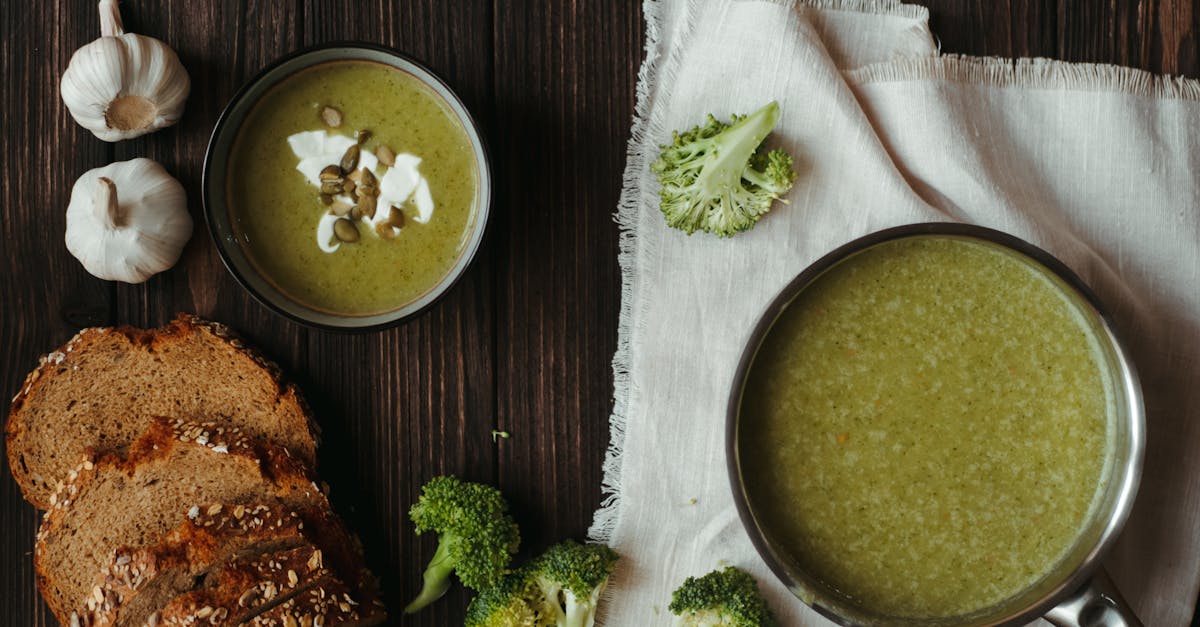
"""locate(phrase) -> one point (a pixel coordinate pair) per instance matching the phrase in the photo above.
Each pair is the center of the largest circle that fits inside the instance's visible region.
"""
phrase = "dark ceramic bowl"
(1076, 592)
(217, 210)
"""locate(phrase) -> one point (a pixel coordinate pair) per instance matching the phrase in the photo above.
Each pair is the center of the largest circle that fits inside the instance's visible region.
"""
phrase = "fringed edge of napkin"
(876, 7)
(604, 521)
(1036, 73)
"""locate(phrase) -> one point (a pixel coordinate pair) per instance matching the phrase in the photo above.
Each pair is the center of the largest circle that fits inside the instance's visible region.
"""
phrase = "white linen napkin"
(1096, 164)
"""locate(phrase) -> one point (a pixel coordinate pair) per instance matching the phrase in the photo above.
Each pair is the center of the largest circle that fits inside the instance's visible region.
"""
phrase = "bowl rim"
(1128, 476)
(470, 123)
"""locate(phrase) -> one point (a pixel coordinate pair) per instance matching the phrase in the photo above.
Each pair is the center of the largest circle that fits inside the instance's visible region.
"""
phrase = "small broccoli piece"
(716, 178)
(722, 598)
(476, 536)
(560, 588)
(571, 577)
(514, 602)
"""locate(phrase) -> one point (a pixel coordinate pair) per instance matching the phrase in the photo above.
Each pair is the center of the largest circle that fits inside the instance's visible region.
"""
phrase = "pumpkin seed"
(348, 187)
(368, 179)
(386, 156)
(366, 206)
(395, 217)
(326, 199)
(345, 230)
(355, 176)
(350, 160)
(331, 173)
(332, 117)
(340, 208)
(331, 187)
(384, 230)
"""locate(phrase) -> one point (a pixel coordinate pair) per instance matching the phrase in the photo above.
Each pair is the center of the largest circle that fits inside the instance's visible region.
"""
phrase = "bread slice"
(111, 501)
(240, 590)
(137, 581)
(329, 604)
(100, 390)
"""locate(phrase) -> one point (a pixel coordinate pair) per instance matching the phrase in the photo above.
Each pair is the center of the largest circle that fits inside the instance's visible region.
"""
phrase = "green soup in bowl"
(934, 426)
(347, 187)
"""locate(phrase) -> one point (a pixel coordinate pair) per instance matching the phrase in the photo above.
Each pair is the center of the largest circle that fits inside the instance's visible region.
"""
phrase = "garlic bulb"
(127, 220)
(124, 85)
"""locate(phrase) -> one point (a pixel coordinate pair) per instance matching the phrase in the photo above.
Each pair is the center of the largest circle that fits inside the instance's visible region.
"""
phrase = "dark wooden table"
(524, 342)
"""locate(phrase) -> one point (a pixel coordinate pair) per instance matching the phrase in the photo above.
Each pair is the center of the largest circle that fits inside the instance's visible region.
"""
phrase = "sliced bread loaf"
(241, 589)
(111, 501)
(100, 390)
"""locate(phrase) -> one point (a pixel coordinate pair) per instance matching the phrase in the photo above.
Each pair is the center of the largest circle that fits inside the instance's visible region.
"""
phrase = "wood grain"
(524, 343)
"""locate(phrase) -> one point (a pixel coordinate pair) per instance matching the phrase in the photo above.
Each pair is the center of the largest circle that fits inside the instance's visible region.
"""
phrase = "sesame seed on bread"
(137, 581)
(99, 391)
(110, 501)
(243, 588)
(330, 604)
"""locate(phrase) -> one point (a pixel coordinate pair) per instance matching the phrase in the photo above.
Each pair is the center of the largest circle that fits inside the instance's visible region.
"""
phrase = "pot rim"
(1128, 474)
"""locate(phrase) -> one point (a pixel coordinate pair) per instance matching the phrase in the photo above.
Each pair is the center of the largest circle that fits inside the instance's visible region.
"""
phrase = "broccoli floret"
(722, 598)
(476, 536)
(571, 577)
(560, 588)
(716, 178)
(514, 602)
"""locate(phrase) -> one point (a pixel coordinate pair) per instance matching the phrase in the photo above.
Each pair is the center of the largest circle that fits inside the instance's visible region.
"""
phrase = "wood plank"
(565, 76)
(45, 293)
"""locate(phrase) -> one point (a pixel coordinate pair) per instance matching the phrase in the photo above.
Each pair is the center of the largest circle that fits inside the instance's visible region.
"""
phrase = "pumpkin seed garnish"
(340, 208)
(348, 187)
(384, 230)
(350, 160)
(386, 156)
(366, 206)
(368, 179)
(395, 217)
(345, 230)
(331, 187)
(331, 117)
(331, 173)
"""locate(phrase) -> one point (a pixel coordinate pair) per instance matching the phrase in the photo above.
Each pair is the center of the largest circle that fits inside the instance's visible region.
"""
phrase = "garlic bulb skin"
(124, 85)
(127, 220)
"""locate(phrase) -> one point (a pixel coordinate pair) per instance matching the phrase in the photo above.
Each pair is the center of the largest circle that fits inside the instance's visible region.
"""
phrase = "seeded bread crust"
(330, 604)
(109, 501)
(245, 587)
(67, 404)
(139, 580)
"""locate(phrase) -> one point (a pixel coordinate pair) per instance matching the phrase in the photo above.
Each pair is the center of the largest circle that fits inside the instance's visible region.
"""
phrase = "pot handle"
(1097, 604)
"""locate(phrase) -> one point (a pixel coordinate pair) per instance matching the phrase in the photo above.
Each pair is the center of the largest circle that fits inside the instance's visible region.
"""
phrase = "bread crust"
(245, 587)
(164, 436)
(211, 535)
(36, 486)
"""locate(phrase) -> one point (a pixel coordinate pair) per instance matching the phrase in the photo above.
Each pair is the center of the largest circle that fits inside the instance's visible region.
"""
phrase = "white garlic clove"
(127, 221)
(124, 85)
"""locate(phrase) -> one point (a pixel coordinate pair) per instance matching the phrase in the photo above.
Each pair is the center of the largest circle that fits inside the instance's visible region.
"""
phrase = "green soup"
(275, 210)
(926, 427)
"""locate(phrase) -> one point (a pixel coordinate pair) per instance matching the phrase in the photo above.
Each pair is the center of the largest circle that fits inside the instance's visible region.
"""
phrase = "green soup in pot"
(925, 428)
(275, 211)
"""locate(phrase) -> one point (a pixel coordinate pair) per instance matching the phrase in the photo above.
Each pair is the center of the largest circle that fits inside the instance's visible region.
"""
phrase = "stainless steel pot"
(1077, 592)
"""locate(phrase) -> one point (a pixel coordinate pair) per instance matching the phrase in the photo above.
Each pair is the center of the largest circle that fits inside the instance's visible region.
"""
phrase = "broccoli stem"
(727, 166)
(579, 614)
(436, 577)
